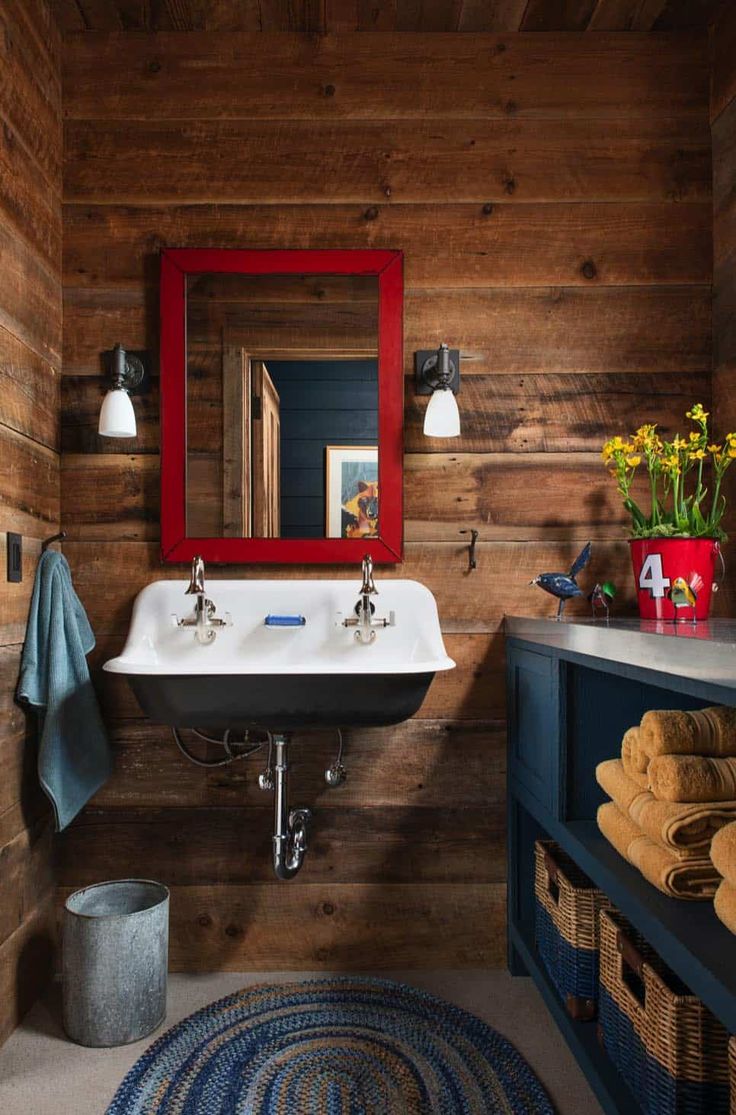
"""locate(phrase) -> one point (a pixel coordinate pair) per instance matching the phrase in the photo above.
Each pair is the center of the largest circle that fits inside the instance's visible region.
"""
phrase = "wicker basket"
(566, 927)
(669, 1047)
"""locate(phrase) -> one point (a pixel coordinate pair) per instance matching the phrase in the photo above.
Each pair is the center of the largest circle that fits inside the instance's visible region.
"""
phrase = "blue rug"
(342, 1046)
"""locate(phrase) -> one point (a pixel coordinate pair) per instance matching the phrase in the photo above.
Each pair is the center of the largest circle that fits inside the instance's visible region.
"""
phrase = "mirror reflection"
(282, 406)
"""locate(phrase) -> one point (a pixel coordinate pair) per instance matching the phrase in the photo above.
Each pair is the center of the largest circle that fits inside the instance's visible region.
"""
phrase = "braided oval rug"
(338, 1046)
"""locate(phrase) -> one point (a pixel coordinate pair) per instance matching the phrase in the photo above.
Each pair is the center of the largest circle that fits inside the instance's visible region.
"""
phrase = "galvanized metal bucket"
(115, 961)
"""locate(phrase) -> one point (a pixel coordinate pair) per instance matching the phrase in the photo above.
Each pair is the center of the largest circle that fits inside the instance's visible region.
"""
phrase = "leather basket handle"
(629, 953)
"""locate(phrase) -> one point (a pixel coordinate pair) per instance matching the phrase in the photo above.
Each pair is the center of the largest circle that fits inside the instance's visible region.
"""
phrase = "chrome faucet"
(204, 621)
(364, 619)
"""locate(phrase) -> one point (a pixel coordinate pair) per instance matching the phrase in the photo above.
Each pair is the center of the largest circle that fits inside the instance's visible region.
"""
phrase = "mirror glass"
(282, 406)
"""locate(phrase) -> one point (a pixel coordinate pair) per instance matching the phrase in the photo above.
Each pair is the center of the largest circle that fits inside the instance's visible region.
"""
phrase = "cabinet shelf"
(687, 935)
(611, 1090)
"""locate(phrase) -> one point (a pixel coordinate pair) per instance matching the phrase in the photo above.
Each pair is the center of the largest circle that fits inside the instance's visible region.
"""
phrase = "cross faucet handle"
(368, 587)
(196, 582)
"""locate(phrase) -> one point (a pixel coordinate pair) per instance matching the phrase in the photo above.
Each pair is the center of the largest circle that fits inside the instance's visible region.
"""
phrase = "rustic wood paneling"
(512, 414)
(29, 392)
(551, 195)
(502, 331)
(30, 354)
(723, 67)
(342, 927)
(323, 16)
(215, 161)
(232, 846)
(26, 964)
(447, 246)
(384, 77)
(420, 763)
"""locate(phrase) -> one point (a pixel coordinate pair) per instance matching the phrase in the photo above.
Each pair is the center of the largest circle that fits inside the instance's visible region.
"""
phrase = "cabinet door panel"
(534, 725)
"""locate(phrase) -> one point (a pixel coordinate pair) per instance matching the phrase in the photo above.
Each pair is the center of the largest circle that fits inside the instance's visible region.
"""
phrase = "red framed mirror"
(281, 405)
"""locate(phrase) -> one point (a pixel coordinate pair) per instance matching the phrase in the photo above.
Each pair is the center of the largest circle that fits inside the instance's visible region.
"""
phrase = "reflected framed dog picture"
(351, 495)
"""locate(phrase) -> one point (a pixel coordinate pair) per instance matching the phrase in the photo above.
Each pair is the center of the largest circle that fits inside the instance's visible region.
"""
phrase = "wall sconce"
(438, 374)
(117, 417)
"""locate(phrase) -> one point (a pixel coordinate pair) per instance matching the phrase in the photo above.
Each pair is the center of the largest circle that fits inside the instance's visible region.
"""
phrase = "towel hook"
(54, 538)
(472, 561)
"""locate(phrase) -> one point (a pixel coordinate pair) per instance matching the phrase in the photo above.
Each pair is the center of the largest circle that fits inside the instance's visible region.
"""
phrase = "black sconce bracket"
(126, 369)
(425, 371)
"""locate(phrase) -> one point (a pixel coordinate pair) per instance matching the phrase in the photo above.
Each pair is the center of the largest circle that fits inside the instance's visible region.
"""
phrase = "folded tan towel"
(630, 758)
(687, 829)
(708, 731)
(723, 853)
(688, 878)
(725, 905)
(692, 778)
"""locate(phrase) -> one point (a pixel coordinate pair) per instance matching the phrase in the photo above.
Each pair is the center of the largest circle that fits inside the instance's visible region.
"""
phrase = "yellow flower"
(672, 464)
(646, 437)
(695, 436)
(633, 462)
(696, 454)
(715, 449)
(732, 451)
(697, 413)
(614, 445)
(678, 443)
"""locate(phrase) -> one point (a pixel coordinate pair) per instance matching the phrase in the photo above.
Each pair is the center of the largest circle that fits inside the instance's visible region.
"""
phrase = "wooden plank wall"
(30, 358)
(553, 197)
(723, 124)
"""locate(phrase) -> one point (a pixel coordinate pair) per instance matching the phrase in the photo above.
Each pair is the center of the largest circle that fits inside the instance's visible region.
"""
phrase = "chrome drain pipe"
(291, 827)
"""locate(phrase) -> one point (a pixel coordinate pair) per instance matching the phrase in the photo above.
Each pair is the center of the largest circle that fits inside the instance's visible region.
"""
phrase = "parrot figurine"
(564, 585)
(601, 597)
(684, 594)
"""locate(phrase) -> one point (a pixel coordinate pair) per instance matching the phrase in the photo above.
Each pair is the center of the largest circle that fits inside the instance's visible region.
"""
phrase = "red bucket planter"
(659, 561)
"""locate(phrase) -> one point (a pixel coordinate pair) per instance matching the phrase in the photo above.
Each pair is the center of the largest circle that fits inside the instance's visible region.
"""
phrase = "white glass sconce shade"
(117, 417)
(442, 417)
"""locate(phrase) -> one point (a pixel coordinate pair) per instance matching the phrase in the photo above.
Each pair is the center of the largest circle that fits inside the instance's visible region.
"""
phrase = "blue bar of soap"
(285, 621)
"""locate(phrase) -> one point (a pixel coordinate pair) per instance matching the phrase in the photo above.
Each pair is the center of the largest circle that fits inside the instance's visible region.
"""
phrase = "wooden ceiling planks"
(323, 16)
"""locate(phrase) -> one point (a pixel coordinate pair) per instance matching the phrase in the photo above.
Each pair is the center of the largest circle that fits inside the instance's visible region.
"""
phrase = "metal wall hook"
(472, 560)
(54, 538)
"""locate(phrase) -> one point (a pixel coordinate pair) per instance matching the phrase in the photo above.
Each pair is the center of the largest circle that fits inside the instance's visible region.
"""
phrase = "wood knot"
(204, 920)
(511, 107)
(589, 269)
(500, 48)
(371, 214)
(233, 930)
(329, 90)
(8, 135)
(509, 185)
(328, 909)
(487, 209)
(154, 67)
(387, 190)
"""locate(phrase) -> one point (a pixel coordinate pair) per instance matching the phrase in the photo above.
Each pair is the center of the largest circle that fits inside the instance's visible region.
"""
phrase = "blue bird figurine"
(564, 585)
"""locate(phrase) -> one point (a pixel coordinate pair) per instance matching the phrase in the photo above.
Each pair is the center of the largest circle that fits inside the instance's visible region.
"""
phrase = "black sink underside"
(280, 702)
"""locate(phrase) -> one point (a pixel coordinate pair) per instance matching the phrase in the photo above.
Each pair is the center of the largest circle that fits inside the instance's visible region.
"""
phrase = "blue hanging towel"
(74, 755)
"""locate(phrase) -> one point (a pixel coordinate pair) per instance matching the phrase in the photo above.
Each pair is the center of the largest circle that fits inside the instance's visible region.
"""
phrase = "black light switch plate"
(15, 557)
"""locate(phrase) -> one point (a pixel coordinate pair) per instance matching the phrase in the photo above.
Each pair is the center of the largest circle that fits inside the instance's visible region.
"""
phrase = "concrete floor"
(41, 1073)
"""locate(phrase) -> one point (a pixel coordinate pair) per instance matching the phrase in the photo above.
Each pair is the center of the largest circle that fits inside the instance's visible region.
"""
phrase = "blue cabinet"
(567, 711)
(535, 724)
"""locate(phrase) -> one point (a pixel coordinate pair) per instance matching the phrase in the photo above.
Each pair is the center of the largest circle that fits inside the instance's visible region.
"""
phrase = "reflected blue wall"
(322, 403)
